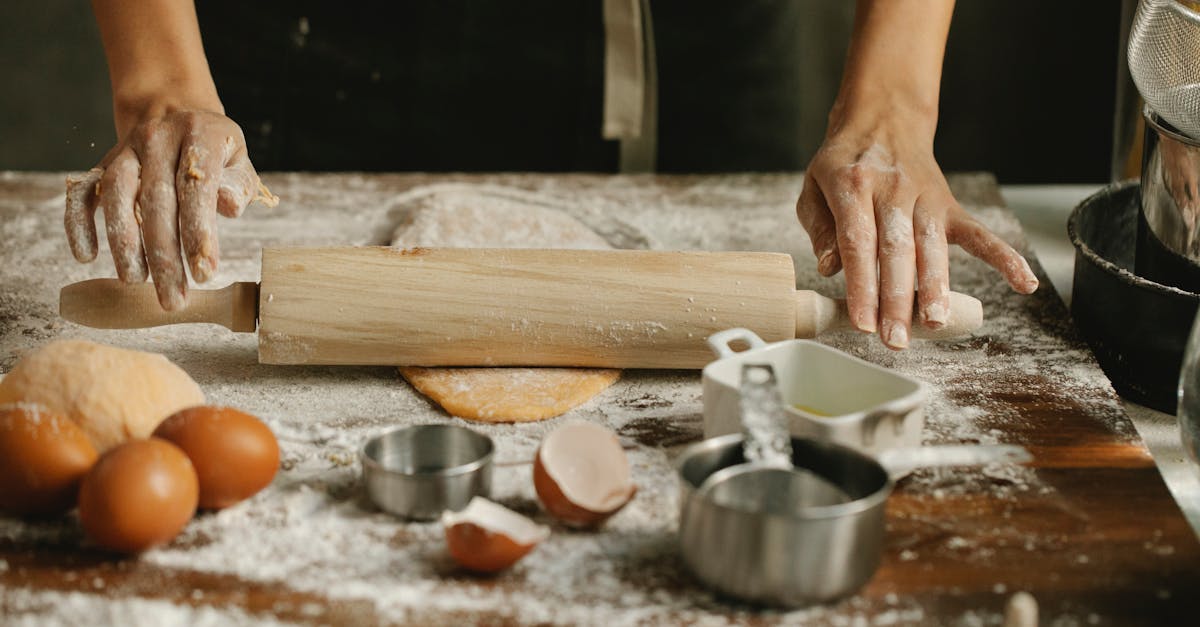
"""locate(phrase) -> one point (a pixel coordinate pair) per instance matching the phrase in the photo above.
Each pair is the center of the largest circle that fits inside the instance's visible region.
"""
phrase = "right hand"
(161, 186)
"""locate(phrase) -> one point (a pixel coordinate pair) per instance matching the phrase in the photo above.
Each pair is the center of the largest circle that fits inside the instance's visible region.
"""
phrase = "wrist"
(134, 104)
(883, 112)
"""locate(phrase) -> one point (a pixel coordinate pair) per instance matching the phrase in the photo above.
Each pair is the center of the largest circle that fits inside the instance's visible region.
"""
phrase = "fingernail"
(202, 268)
(935, 315)
(825, 262)
(867, 320)
(1030, 286)
(895, 335)
(173, 300)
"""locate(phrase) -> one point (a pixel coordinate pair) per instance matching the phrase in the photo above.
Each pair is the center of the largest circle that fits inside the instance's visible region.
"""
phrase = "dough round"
(465, 217)
(113, 394)
(509, 394)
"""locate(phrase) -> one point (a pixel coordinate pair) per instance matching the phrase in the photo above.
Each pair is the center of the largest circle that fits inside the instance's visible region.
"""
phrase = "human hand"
(876, 204)
(163, 184)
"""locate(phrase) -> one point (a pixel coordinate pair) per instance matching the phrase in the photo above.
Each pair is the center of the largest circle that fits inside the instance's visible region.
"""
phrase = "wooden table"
(1089, 529)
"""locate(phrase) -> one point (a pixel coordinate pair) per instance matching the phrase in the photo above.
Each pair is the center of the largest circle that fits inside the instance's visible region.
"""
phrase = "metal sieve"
(1164, 59)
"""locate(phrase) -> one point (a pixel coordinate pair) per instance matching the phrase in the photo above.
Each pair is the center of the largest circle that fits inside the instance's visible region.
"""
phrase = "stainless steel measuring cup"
(768, 552)
(420, 471)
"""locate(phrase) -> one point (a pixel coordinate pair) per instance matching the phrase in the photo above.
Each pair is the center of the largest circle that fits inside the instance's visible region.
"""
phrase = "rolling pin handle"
(966, 315)
(816, 314)
(112, 304)
(720, 341)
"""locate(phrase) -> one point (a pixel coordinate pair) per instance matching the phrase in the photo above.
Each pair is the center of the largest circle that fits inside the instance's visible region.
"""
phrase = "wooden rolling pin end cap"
(965, 316)
(816, 314)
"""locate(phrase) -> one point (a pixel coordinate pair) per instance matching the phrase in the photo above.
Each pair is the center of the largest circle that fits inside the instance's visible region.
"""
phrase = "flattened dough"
(465, 218)
(509, 394)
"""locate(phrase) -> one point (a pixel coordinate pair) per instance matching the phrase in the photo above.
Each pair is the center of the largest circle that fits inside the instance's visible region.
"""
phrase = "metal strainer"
(1164, 59)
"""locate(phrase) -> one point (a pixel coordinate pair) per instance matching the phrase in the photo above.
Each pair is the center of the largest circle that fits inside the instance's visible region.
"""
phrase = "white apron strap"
(631, 83)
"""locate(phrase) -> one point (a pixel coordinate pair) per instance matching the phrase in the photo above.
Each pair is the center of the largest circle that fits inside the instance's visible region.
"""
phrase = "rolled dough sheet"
(509, 394)
(467, 218)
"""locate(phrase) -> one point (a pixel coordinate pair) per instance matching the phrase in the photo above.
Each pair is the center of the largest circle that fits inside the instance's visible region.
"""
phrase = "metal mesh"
(1164, 59)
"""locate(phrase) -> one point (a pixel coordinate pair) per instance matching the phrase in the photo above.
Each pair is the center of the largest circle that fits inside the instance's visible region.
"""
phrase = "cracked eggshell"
(486, 537)
(581, 474)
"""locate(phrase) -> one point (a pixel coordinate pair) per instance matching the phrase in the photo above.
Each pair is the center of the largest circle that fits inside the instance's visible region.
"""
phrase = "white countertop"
(1043, 211)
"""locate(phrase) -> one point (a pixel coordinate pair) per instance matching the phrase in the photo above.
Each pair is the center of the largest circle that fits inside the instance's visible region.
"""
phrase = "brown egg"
(487, 537)
(43, 457)
(234, 453)
(581, 474)
(139, 495)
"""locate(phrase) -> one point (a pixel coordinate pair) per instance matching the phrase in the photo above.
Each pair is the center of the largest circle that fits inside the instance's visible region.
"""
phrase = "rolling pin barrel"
(513, 307)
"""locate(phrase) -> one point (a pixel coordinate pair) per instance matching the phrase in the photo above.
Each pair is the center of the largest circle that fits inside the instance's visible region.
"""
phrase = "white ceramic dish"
(828, 395)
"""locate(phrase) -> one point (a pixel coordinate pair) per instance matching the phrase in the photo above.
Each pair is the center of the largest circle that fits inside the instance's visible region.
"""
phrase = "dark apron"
(504, 85)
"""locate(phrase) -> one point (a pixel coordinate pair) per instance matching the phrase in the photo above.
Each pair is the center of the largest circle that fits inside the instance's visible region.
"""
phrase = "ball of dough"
(113, 394)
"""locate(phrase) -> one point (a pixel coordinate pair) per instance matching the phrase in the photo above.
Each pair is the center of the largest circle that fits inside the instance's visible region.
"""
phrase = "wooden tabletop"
(1089, 528)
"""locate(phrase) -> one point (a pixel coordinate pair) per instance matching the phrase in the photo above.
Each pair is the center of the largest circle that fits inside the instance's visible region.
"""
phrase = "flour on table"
(311, 549)
(468, 217)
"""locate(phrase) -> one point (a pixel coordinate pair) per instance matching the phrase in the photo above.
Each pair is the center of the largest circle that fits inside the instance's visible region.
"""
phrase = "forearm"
(895, 60)
(155, 58)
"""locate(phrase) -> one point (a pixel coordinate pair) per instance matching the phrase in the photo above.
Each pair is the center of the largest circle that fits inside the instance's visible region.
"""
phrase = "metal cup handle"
(719, 342)
(901, 461)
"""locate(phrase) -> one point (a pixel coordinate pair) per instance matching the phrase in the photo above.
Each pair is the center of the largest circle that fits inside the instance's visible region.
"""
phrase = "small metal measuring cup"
(420, 471)
(763, 549)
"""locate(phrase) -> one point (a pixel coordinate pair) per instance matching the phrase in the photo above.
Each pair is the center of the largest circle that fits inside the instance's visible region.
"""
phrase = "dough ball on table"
(113, 394)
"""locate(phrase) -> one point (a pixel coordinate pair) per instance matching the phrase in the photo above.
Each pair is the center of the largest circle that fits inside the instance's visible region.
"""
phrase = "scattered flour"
(313, 533)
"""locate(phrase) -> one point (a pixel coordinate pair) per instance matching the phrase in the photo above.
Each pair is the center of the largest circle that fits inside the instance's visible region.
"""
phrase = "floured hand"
(875, 203)
(162, 186)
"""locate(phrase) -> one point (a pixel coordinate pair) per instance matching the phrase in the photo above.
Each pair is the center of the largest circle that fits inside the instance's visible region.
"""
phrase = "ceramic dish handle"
(719, 342)
(901, 461)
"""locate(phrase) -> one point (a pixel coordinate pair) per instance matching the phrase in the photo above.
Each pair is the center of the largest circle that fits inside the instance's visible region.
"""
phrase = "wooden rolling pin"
(496, 307)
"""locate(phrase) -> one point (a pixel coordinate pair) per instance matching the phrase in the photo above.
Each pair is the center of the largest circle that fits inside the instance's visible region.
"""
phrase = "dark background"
(1028, 89)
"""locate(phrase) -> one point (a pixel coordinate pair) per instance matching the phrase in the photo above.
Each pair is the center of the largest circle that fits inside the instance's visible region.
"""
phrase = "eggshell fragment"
(235, 455)
(43, 458)
(139, 495)
(487, 537)
(581, 474)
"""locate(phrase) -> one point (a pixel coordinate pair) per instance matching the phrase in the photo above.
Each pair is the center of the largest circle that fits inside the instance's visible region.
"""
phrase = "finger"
(933, 267)
(856, 240)
(817, 220)
(239, 185)
(196, 182)
(982, 243)
(897, 263)
(79, 220)
(118, 187)
(158, 206)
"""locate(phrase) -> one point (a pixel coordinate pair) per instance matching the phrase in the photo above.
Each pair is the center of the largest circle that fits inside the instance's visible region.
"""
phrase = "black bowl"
(1136, 327)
